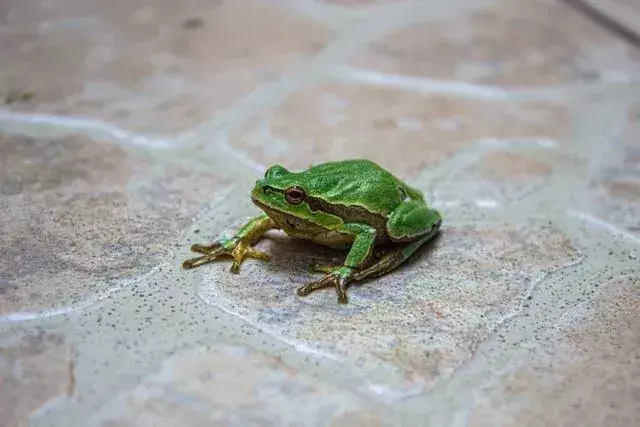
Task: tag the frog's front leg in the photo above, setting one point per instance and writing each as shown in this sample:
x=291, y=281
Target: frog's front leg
x=238, y=247
x=360, y=252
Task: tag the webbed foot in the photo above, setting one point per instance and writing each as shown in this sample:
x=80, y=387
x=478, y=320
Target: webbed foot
x=238, y=249
x=337, y=277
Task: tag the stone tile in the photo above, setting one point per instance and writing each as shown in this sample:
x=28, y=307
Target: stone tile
x=147, y=68
x=502, y=166
x=226, y=385
x=407, y=330
x=512, y=43
x=404, y=131
x=496, y=176
x=584, y=371
x=509, y=176
x=80, y=216
x=35, y=369
x=613, y=193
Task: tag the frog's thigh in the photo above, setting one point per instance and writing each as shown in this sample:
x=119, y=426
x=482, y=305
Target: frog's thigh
x=410, y=220
x=393, y=258
x=363, y=243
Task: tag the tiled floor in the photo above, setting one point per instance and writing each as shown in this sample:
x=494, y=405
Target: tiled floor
x=131, y=130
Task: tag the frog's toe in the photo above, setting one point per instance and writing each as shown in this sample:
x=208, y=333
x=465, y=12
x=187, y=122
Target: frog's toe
x=341, y=288
x=210, y=253
x=205, y=249
x=305, y=290
x=235, y=266
x=192, y=263
x=242, y=251
x=256, y=254
x=196, y=262
x=338, y=278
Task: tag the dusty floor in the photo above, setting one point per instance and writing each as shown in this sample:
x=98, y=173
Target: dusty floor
x=130, y=130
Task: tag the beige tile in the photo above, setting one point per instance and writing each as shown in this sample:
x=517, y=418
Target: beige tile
x=404, y=131
x=585, y=371
x=35, y=369
x=147, y=68
x=513, y=43
x=519, y=167
x=226, y=385
x=497, y=176
x=406, y=330
x=81, y=216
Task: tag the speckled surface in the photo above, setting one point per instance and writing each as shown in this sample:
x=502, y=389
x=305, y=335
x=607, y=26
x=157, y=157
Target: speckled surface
x=129, y=132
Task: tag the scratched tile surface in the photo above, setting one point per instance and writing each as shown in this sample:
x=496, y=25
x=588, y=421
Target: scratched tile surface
x=130, y=131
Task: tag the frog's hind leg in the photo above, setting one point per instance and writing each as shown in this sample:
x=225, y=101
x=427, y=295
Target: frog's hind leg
x=411, y=220
x=376, y=266
x=393, y=258
x=358, y=256
x=413, y=223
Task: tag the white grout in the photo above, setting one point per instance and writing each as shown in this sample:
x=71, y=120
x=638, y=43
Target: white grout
x=95, y=128
x=603, y=224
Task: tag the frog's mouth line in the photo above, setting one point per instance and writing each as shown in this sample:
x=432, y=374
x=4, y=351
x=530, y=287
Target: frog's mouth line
x=283, y=217
x=259, y=203
x=266, y=207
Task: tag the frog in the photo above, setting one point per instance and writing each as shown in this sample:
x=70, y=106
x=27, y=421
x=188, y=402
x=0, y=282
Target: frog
x=354, y=205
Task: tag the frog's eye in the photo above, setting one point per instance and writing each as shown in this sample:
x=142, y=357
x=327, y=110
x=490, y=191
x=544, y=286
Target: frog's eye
x=294, y=195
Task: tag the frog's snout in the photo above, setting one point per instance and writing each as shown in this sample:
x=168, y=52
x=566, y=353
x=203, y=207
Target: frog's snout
x=259, y=187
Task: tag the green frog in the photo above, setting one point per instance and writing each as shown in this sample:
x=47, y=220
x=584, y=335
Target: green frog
x=350, y=204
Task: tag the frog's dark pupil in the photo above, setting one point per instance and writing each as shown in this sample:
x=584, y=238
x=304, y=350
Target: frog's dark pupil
x=294, y=195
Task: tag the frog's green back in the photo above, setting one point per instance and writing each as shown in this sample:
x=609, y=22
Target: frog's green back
x=356, y=182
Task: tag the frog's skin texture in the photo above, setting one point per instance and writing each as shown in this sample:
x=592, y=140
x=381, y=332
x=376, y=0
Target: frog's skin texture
x=350, y=204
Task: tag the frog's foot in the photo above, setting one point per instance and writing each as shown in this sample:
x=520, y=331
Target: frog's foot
x=337, y=277
x=237, y=249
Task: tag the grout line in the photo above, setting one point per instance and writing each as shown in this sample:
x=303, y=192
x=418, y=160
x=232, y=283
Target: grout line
x=25, y=316
x=419, y=84
x=534, y=285
x=585, y=217
x=90, y=127
x=240, y=155
x=464, y=89
x=120, y=285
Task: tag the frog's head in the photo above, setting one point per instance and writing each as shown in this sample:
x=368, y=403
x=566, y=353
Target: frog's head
x=288, y=193
x=279, y=189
